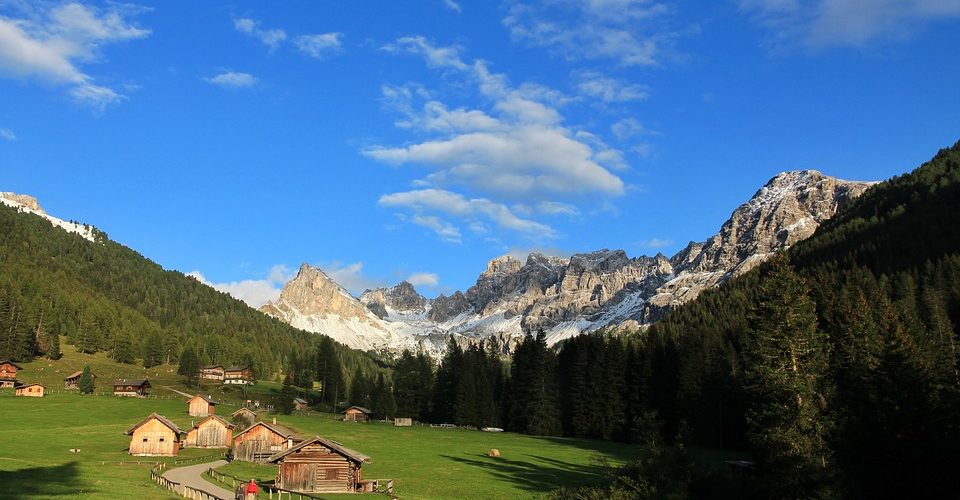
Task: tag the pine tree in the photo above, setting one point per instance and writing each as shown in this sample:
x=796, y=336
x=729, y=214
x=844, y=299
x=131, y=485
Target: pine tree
x=287, y=394
x=786, y=362
x=189, y=365
x=85, y=383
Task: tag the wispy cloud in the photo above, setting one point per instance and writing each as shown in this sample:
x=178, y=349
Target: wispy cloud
x=7, y=134
x=454, y=6
x=825, y=23
x=270, y=37
x=255, y=292
x=232, y=80
x=430, y=280
x=655, y=243
x=351, y=276
x=436, y=56
x=321, y=45
x=630, y=32
x=50, y=44
x=610, y=90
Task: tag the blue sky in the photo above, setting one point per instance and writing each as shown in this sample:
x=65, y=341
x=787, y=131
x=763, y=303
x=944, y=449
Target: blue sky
x=416, y=140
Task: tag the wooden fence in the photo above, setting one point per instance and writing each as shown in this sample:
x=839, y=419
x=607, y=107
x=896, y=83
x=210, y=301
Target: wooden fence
x=180, y=489
x=267, y=490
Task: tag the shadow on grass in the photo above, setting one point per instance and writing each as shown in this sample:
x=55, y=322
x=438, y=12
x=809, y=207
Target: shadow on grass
x=535, y=473
x=42, y=482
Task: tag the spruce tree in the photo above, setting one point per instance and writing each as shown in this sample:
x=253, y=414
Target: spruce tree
x=85, y=384
x=786, y=364
x=189, y=365
x=287, y=394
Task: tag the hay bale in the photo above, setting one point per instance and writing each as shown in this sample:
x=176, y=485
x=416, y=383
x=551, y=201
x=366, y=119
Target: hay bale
x=493, y=453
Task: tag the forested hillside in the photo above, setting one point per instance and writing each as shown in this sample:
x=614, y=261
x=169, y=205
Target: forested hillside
x=103, y=296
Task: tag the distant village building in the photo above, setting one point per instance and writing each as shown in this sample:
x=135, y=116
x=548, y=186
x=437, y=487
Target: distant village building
x=131, y=387
x=319, y=465
x=238, y=375
x=357, y=414
x=8, y=374
x=201, y=406
x=211, y=372
x=261, y=440
x=72, y=381
x=31, y=390
x=299, y=404
x=211, y=432
x=403, y=422
x=154, y=436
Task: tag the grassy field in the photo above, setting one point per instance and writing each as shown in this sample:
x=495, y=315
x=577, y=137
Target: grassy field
x=452, y=463
x=37, y=434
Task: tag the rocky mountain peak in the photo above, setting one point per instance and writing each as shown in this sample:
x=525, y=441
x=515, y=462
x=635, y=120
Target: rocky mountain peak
x=402, y=298
x=23, y=199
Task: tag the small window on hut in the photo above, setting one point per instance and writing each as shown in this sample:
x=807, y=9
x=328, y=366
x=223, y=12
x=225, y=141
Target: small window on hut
x=162, y=440
x=144, y=440
x=333, y=474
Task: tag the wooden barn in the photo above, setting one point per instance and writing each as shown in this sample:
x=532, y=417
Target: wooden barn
x=31, y=390
x=201, y=406
x=238, y=375
x=299, y=404
x=154, y=436
x=211, y=372
x=261, y=440
x=243, y=418
x=131, y=387
x=357, y=414
x=211, y=432
x=72, y=381
x=319, y=465
x=8, y=374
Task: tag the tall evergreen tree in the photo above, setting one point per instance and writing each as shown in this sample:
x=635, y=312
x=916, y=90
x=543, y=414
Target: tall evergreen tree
x=786, y=362
x=189, y=365
x=85, y=384
x=287, y=394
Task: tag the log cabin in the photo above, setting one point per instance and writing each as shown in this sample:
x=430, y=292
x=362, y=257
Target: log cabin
x=261, y=440
x=31, y=390
x=72, y=381
x=238, y=375
x=319, y=465
x=299, y=404
x=131, y=387
x=211, y=432
x=211, y=372
x=8, y=374
x=357, y=414
x=201, y=406
x=154, y=436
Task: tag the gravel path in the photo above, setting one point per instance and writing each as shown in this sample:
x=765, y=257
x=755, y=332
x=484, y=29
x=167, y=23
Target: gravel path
x=190, y=476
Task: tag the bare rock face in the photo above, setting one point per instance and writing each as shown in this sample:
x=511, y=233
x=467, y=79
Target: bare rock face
x=570, y=296
x=23, y=199
x=402, y=298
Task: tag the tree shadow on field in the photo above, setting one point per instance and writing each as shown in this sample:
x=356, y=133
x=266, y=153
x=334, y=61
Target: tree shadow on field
x=41, y=482
x=535, y=473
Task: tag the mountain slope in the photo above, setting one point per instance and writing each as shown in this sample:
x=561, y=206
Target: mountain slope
x=569, y=296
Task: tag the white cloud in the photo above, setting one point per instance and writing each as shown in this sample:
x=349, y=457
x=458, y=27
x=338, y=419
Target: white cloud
x=50, y=44
x=321, y=45
x=436, y=57
x=7, y=134
x=610, y=90
x=255, y=292
x=824, y=23
x=451, y=203
x=233, y=80
x=350, y=276
x=628, y=128
x=655, y=243
x=454, y=6
x=558, y=208
x=627, y=31
x=443, y=229
x=270, y=38
x=424, y=279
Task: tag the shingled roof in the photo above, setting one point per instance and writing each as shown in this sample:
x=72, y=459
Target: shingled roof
x=138, y=382
x=217, y=417
x=354, y=455
x=163, y=420
x=206, y=398
x=277, y=429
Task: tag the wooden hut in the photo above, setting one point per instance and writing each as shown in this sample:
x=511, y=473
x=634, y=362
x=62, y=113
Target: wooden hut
x=261, y=440
x=201, y=406
x=154, y=436
x=299, y=404
x=211, y=372
x=357, y=414
x=31, y=390
x=131, y=387
x=211, y=432
x=319, y=465
x=243, y=418
x=238, y=375
x=8, y=374
x=72, y=381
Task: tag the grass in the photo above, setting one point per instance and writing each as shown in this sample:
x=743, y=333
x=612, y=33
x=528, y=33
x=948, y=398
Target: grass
x=452, y=463
x=37, y=433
